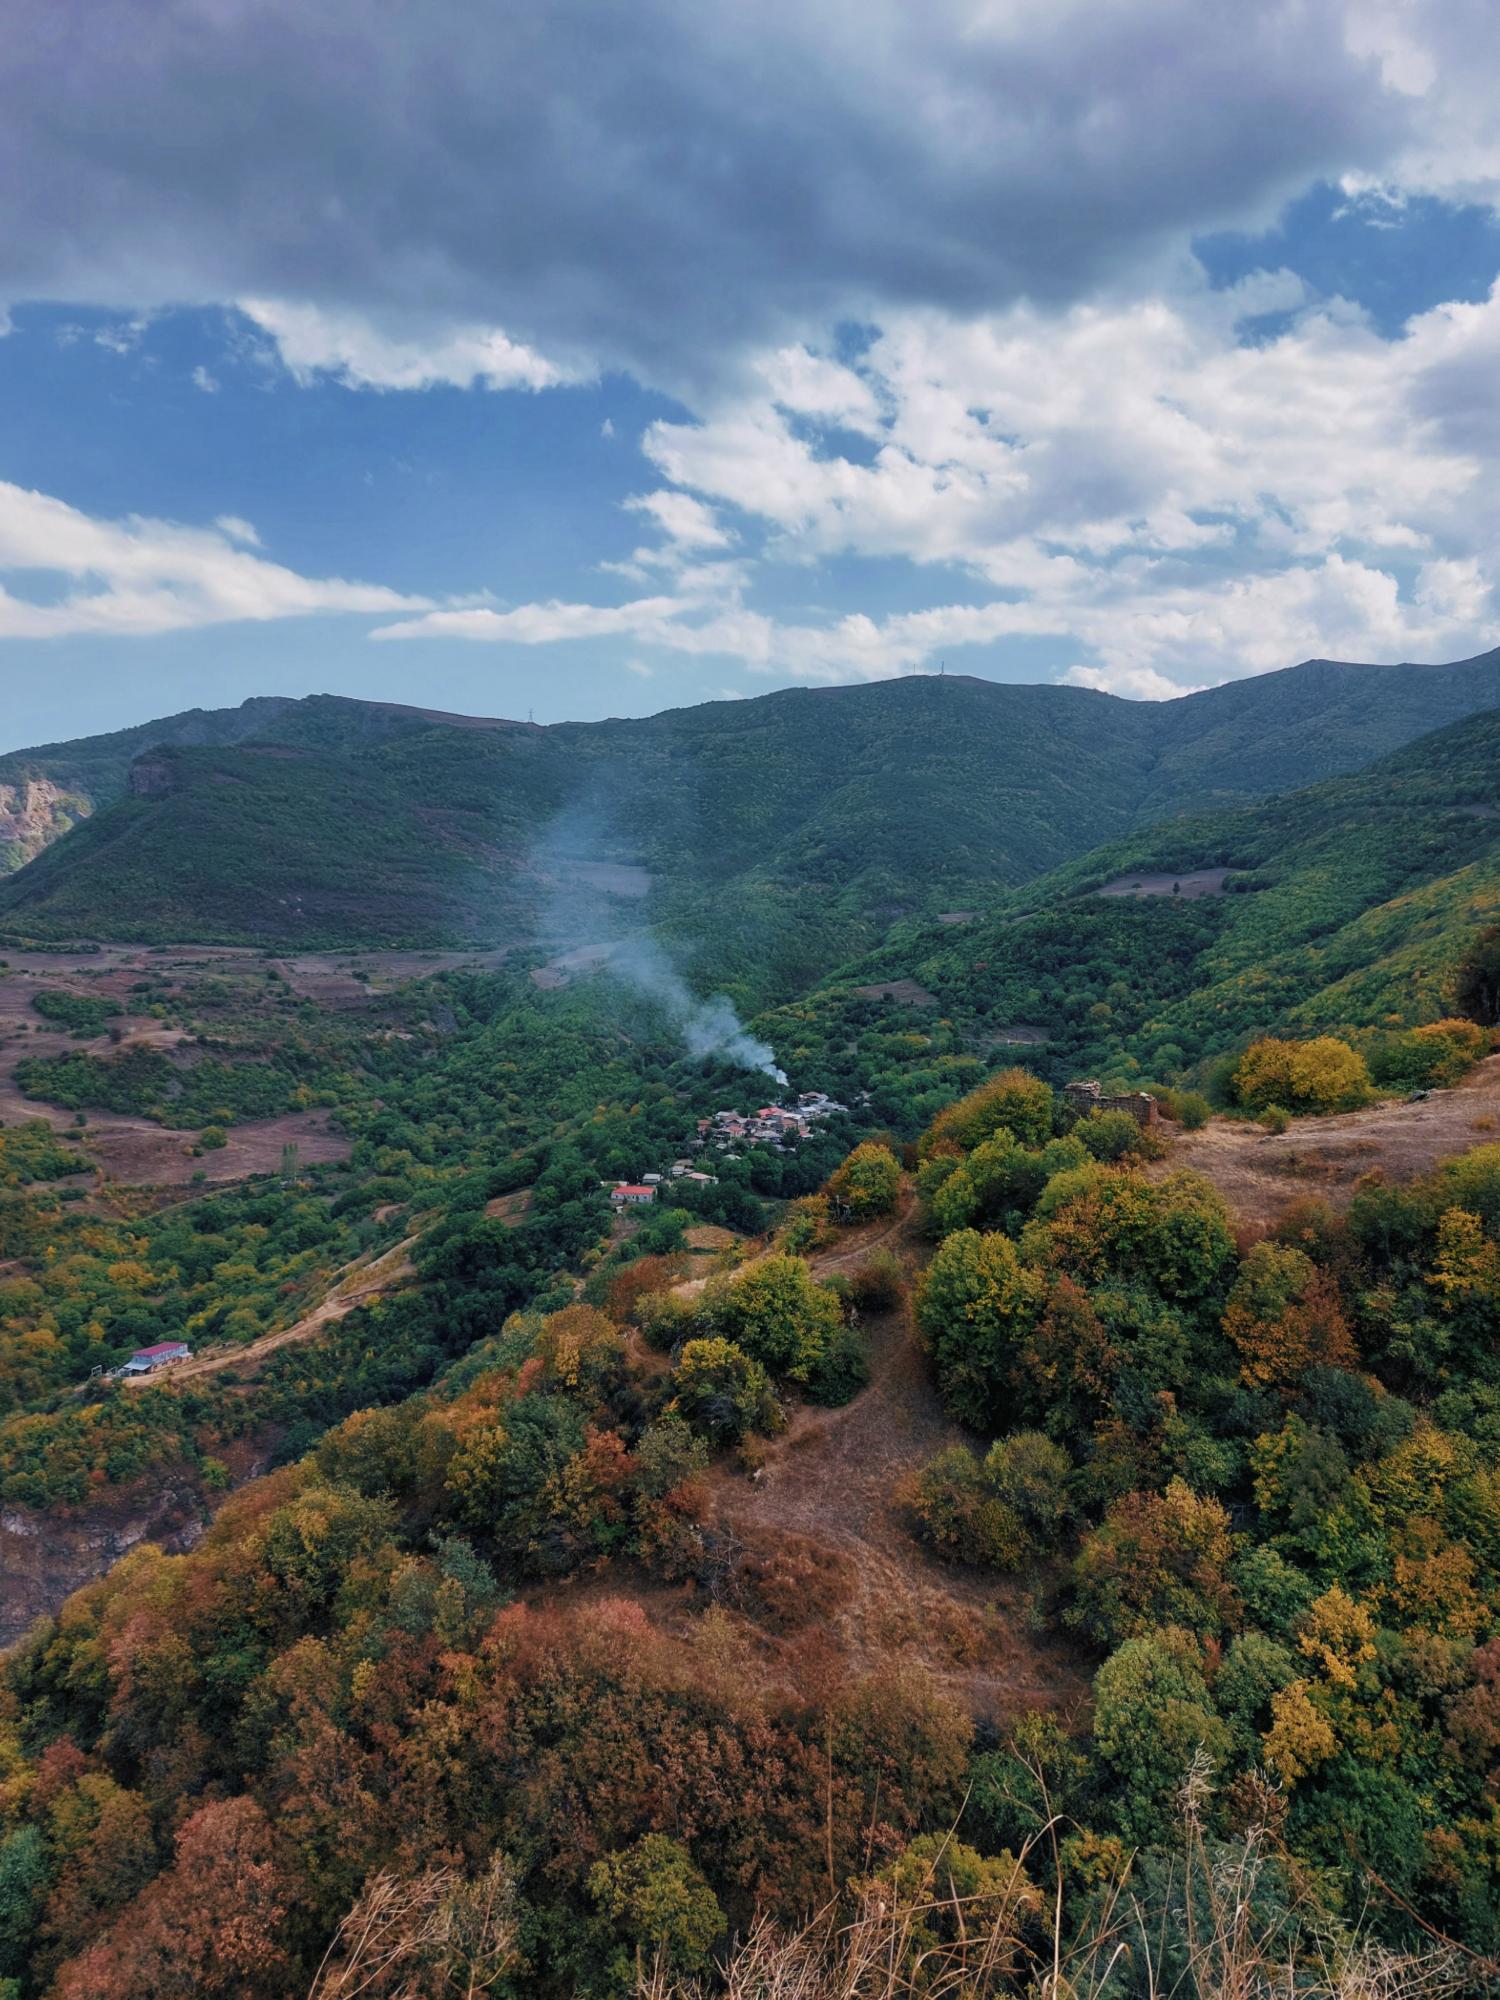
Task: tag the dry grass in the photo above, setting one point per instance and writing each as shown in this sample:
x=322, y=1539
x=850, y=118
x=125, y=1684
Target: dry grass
x=1224, y=1930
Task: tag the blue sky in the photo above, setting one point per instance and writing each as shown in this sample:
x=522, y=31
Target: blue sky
x=602, y=362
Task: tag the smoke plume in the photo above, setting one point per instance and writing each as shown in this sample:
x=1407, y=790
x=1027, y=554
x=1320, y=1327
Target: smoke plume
x=579, y=917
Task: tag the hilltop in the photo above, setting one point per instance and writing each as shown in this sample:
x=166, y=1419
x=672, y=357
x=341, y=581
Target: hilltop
x=769, y=838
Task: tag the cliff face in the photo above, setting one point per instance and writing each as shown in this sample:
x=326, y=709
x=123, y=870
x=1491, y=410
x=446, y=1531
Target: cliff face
x=44, y=1558
x=33, y=813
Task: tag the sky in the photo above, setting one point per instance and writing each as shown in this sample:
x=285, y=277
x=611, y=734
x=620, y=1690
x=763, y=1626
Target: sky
x=580, y=360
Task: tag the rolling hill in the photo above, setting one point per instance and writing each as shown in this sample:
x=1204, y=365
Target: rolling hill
x=777, y=836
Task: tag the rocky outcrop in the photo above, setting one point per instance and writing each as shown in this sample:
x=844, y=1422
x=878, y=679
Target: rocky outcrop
x=151, y=776
x=44, y=1557
x=33, y=813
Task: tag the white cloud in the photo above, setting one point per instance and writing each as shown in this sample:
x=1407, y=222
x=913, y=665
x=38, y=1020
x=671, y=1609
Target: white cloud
x=684, y=520
x=1135, y=481
x=237, y=529
x=204, y=381
x=140, y=576
x=348, y=348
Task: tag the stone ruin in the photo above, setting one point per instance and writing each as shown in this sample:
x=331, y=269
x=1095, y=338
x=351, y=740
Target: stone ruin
x=1087, y=1095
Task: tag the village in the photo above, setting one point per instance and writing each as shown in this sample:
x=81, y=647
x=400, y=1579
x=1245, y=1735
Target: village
x=727, y=1135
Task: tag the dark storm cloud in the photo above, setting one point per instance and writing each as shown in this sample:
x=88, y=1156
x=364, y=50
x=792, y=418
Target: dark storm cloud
x=651, y=183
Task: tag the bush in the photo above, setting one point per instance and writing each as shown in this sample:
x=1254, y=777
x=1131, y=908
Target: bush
x=878, y=1285
x=1324, y=1074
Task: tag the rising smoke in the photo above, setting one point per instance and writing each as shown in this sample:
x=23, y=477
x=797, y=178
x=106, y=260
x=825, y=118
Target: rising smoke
x=709, y=1027
x=568, y=858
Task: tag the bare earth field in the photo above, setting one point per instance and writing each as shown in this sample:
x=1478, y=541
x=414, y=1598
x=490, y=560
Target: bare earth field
x=1199, y=882
x=1261, y=1174
x=907, y=991
x=126, y=1149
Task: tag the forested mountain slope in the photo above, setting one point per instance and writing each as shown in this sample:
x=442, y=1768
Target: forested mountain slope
x=779, y=834
x=1349, y=905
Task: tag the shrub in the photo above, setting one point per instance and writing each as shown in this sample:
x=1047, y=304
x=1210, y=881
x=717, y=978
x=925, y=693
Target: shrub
x=878, y=1285
x=1324, y=1074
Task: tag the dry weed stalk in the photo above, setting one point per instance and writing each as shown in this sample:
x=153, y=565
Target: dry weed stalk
x=423, y=1936
x=1211, y=1935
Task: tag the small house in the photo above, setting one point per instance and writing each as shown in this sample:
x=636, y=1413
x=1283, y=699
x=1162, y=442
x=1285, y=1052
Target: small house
x=631, y=1194
x=146, y=1360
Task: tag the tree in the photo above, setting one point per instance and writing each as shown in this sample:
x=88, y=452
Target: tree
x=1172, y=1234
x=1323, y=1074
x=976, y=1305
x=998, y=1180
x=1152, y=1717
x=1015, y=1101
x=1284, y=1317
x=1476, y=990
x=723, y=1392
x=779, y=1314
x=867, y=1183
x=1157, y=1559
x=660, y=1906
x=208, y=1926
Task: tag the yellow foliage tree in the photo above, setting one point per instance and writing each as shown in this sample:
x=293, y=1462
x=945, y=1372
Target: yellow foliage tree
x=1324, y=1074
x=1300, y=1737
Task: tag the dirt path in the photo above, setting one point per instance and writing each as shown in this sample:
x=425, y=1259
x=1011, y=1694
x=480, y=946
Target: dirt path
x=370, y=1279
x=1260, y=1174
x=829, y=1480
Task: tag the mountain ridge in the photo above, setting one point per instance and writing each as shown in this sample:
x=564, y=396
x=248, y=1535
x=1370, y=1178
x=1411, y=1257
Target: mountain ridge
x=775, y=837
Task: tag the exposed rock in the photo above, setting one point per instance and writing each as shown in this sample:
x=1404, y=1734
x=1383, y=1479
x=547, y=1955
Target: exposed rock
x=34, y=813
x=45, y=1557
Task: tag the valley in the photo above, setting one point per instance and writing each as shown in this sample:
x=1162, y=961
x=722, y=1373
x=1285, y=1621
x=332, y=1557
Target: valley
x=892, y=1460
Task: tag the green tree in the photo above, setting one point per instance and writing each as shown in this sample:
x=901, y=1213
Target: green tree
x=867, y=1183
x=1014, y=1101
x=975, y=1305
x=1152, y=1717
x=659, y=1905
x=721, y=1391
x=777, y=1312
x=1476, y=989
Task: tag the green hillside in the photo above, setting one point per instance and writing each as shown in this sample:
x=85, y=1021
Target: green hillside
x=780, y=835
x=1348, y=904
